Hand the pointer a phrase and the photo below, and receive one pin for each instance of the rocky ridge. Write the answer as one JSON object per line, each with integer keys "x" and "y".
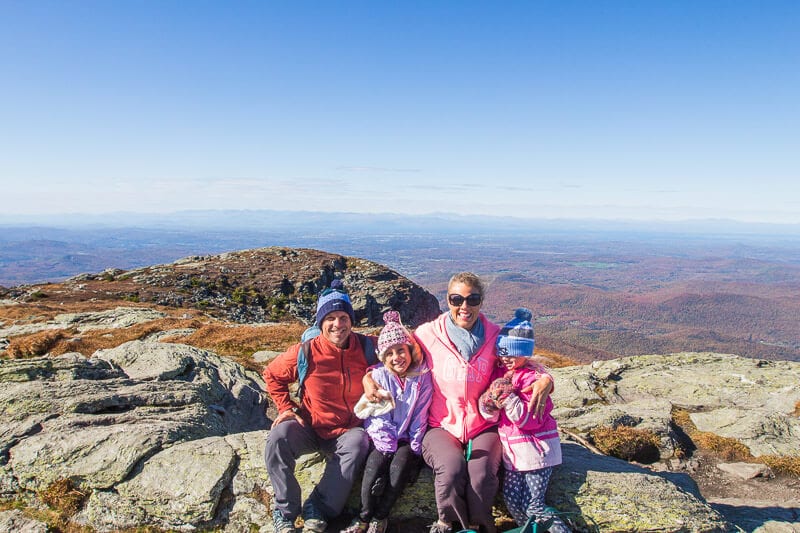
{"x": 259, "y": 285}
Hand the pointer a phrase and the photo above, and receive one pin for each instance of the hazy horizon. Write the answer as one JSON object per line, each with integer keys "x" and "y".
{"x": 248, "y": 220}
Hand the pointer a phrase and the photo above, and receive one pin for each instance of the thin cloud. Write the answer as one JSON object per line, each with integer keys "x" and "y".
{"x": 376, "y": 169}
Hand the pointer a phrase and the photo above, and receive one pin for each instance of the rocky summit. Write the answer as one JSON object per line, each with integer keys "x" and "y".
{"x": 120, "y": 411}
{"x": 258, "y": 285}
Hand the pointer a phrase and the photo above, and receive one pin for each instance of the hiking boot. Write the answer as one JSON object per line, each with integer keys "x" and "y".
{"x": 281, "y": 524}
{"x": 356, "y": 526}
{"x": 313, "y": 519}
{"x": 440, "y": 527}
{"x": 378, "y": 526}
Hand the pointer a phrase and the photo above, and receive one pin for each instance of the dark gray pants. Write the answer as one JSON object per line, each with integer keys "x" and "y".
{"x": 465, "y": 490}
{"x": 344, "y": 458}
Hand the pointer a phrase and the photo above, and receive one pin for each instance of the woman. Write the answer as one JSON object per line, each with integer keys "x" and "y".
{"x": 460, "y": 446}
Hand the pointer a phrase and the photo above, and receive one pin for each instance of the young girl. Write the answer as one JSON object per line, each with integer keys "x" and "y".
{"x": 531, "y": 447}
{"x": 396, "y": 425}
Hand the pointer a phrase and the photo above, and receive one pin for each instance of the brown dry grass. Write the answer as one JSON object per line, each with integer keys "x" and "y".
{"x": 627, "y": 443}
{"x": 57, "y": 342}
{"x": 63, "y": 496}
{"x": 789, "y": 465}
{"x": 797, "y": 408}
{"x": 35, "y": 344}
{"x": 724, "y": 447}
{"x": 60, "y": 301}
{"x": 555, "y": 360}
{"x": 65, "y": 500}
{"x": 240, "y": 342}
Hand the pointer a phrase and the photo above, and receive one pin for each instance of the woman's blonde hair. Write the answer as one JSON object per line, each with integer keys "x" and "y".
{"x": 467, "y": 278}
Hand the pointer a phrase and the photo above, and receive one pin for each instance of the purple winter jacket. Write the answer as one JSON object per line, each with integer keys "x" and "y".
{"x": 409, "y": 418}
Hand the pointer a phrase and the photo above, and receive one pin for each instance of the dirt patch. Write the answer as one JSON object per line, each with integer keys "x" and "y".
{"x": 746, "y": 503}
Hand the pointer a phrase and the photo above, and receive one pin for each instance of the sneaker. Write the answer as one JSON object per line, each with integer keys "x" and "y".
{"x": 356, "y": 526}
{"x": 281, "y": 524}
{"x": 378, "y": 526}
{"x": 440, "y": 527}
{"x": 313, "y": 519}
{"x": 314, "y": 525}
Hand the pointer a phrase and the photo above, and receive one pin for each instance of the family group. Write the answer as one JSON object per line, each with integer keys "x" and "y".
{"x": 460, "y": 393}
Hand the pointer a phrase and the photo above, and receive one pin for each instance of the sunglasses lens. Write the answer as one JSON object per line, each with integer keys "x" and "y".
{"x": 472, "y": 300}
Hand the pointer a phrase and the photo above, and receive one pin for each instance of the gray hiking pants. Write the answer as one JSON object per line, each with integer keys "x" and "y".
{"x": 344, "y": 458}
{"x": 465, "y": 490}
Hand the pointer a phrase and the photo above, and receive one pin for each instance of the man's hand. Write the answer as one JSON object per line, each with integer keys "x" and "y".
{"x": 371, "y": 388}
{"x": 540, "y": 390}
{"x": 287, "y": 415}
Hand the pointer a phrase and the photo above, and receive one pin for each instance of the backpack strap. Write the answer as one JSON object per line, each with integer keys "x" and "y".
{"x": 302, "y": 366}
{"x": 370, "y": 355}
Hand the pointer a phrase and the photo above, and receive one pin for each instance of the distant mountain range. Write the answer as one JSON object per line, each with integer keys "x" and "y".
{"x": 325, "y": 223}
{"x": 597, "y": 289}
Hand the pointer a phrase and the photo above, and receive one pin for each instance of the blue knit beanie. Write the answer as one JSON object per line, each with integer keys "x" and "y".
{"x": 334, "y": 299}
{"x": 516, "y": 337}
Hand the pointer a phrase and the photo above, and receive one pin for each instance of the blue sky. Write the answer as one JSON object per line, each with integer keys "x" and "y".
{"x": 598, "y": 109}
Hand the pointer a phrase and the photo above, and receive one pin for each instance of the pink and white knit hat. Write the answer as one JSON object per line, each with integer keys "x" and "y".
{"x": 392, "y": 333}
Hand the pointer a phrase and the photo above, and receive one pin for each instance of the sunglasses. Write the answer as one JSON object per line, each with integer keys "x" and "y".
{"x": 473, "y": 300}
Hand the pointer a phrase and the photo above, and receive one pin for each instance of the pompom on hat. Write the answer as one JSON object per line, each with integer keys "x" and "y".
{"x": 334, "y": 299}
{"x": 392, "y": 333}
{"x": 516, "y": 337}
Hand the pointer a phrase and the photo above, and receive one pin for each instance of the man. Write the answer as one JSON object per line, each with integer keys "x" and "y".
{"x": 324, "y": 421}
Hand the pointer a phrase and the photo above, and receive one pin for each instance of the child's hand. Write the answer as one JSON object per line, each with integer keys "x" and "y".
{"x": 500, "y": 389}
{"x": 487, "y": 403}
{"x": 501, "y": 400}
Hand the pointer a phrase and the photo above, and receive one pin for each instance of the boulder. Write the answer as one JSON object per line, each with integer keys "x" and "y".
{"x": 751, "y": 400}
{"x": 619, "y": 496}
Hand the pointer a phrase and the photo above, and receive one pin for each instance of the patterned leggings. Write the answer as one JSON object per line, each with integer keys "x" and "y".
{"x": 524, "y": 495}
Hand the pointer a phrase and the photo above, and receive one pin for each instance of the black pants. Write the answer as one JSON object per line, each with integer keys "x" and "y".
{"x": 385, "y": 477}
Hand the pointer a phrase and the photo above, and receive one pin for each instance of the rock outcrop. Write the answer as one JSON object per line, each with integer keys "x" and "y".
{"x": 110, "y": 424}
{"x": 265, "y": 284}
{"x": 751, "y": 400}
{"x": 172, "y": 436}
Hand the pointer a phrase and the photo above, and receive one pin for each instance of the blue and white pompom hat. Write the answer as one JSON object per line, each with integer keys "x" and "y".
{"x": 334, "y": 299}
{"x": 516, "y": 337}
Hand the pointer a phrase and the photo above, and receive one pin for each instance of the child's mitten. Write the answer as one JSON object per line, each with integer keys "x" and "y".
{"x": 486, "y": 402}
{"x": 499, "y": 391}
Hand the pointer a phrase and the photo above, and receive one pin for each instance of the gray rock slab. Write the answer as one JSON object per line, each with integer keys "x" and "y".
{"x": 119, "y": 317}
{"x": 746, "y": 470}
{"x": 747, "y": 399}
{"x": 182, "y": 484}
{"x": 98, "y": 456}
{"x": 107, "y": 511}
{"x": 235, "y": 393}
{"x": 619, "y": 496}
{"x": 264, "y": 356}
{"x": 17, "y": 522}
{"x": 764, "y": 432}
